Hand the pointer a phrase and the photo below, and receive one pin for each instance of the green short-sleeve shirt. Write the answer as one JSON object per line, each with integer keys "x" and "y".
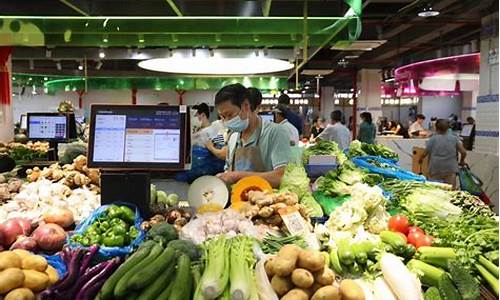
{"x": 274, "y": 145}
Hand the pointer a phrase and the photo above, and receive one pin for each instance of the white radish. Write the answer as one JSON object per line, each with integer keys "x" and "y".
{"x": 367, "y": 289}
{"x": 263, "y": 285}
{"x": 382, "y": 291}
{"x": 399, "y": 278}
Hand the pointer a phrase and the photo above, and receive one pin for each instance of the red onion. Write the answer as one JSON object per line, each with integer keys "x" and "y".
{"x": 25, "y": 224}
{"x": 50, "y": 237}
{"x": 24, "y": 242}
{"x": 11, "y": 229}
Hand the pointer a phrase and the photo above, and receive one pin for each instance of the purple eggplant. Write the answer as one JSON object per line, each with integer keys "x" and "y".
{"x": 91, "y": 273}
{"x": 92, "y": 287}
{"x": 87, "y": 258}
{"x": 73, "y": 271}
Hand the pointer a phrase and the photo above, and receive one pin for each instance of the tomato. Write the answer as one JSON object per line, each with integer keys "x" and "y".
{"x": 426, "y": 240}
{"x": 415, "y": 237}
{"x": 398, "y": 223}
{"x": 415, "y": 228}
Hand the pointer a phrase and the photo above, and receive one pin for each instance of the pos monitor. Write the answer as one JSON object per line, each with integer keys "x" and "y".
{"x": 138, "y": 137}
{"x": 48, "y": 126}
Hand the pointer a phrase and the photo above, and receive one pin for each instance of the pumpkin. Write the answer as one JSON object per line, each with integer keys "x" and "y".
{"x": 243, "y": 186}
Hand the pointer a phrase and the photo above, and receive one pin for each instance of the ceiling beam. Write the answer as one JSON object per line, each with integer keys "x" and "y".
{"x": 74, "y": 7}
{"x": 266, "y": 7}
{"x": 174, "y": 7}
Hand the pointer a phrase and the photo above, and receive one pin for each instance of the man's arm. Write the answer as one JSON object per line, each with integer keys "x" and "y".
{"x": 462, "y": 151}
{"x": 273, "y": 177}
{"x": 219, "y": 153}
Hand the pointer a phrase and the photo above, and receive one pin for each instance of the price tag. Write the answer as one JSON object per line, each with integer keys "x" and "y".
{"x": 183, "y": 109}
{"x": 293, "y": 220}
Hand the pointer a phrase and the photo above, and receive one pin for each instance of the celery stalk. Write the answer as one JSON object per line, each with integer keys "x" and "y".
{"x": 491, "y": 267}
{"x": 488, "y": 277}
{"x": 216, "y": 275}
{"x": 242, "y": 268}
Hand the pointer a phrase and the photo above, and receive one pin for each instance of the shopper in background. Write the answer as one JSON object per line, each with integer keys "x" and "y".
{"x": 367, "y": 130}
{"x": 207, "y": 131}
{"x": 336, "y": 131}
{"x": 417, "y": 129}
{"x": 442, "y": 149}
{"x": 472, "y": 136}
{"x": 317, "y": 127}
{"x": 395, "y": 127}
{"x": 254, "y": 147}
{"x": 291, "y": 116}
{"x": 279, "y": 117}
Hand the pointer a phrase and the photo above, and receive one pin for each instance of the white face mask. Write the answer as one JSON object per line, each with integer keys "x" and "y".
{"x": 237, "y": 124}
{"x": 195, "y": 122}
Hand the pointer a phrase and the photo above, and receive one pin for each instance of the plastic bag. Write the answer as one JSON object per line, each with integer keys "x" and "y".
{"x": 388, "y": 170}
{"x": 329, "y": 204}
{"x": 104, "y": 252}
{"x": 203, "y": 163}
{"x": 469, "y": 181}
{"x": 57, "y": 263}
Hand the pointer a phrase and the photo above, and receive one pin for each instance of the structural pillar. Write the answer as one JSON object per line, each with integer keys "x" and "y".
{"x": 368, "y": 86}
{"x": 6, "y": 114}
{"x": 469, "y": 102}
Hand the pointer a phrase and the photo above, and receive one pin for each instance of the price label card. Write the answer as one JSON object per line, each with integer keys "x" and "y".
{"x": 293, "y": 220}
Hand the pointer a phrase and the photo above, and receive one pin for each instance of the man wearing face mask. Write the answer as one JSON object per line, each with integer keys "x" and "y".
{"x": 254, "y": 147}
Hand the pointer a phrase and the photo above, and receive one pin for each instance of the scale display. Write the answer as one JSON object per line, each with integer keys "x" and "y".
{"x": 137, "y": 136}
{"x": 47, "y": 126}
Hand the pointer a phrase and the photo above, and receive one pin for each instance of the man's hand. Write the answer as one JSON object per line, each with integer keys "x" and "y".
{"x": 230, "y": 177}
{"x": 209, "y": 145}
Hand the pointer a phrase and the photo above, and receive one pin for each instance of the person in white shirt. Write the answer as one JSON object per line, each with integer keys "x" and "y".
{"x": 336, "y": 131}
{"x": 279, "y": 117}
{"x": 417, "y": 129}
{"x": 207, "y": 131}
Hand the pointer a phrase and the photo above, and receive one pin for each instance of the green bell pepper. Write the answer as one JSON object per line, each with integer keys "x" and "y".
{"x": 119, "y": 230}
{"x": 114, "y": 211}
{"x": 113, "y": 241}
{"x": 127, "y": 214}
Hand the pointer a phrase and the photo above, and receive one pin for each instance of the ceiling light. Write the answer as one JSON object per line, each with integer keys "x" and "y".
{"x": 141, "y": 38}
{"x": 45, "y": 78}
{"x": 105, "y": 39}
{"x": 216, "y": 66}
{"x": 102, "y": 54}
{"x": 80, "y": 67}
{"x": 58, "y": 66}
{"x": 351, "y": 56}
{"x": 98, "y": 65}
{"x": 29, "y": 79}
{"x": 13, "y": 78}
{"x": 87, "y": 24}
{"x": 427, "y": 12}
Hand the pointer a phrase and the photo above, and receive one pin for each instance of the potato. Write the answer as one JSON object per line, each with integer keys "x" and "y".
{"x": 269, "y": 266}
{"x": 10, "y": 279}
{"x": 35, "y": 281}
{"x": 325, "y": 276}
{"x": 296, "y": 294}
{"x": 328, "y": 292}
{"x": 20, "y": 294}
{"x": 281, "y": 285}
{"x": 302, "y": 278}
{"x": 9, "y": 259}
{"x": 283, "y": 267}
{"x": 53, "y": 275}
{"x": 350, "y": 290}
{"x": 34, "y": 262}
{"x": 290, "y": 252}
{"x": 311, "y": 260}
{"x": 22, "y": 253}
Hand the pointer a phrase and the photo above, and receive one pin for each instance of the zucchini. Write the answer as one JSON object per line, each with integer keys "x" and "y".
{"x": 437, "y": 256}
{"x": 466, "y": 284}
{"x": 121, "y": 289}
{"x": 183, "y": 281}
{"x": 395, "y": 239}
{"x": 446, "y": 288}
{"x": 429, "y": 275}
{"x": 432, "y": 293}
{"x": 109, "y": 285}
{"x": 160, "y": 282}
{"x": 147, "y": 275}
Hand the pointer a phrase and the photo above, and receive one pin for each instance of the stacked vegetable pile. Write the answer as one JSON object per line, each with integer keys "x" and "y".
{"x": 115, "y": 227}
{"x": 25, "y": 152}
{"x": 24, "y": 274}
{"x": 357, "y": 148}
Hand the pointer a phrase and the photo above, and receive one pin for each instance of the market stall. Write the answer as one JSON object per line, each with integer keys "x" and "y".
{"x": 367, "y": 229}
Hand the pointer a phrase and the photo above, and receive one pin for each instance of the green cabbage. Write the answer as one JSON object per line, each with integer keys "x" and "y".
{"x": 431, "y": 203}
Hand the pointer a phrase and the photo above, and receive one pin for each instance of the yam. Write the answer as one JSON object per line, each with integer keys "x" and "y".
{"x": 311, "y": 260}
{"x": 9, "y": 259}
{"x": 325, "y": 276}
{"x": 281, "y": 285}
{"x": 328, "y": 292}
{"x": 302, "y": 278}
{"x": 34, "y": 262}
{"x": 10, "y": 279}
{"x": 35, "y": 281}
{"x": 53, "y": 275}
{"x": 350, "y": 290}
{"x": 283, "y": 267}
{"x": 20, "y": 294}
{"x": 296, "y": 294}
{"x": 269, "y": 266}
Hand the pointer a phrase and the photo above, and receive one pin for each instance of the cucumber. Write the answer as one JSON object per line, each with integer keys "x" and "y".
{"x": 154, "y": 290}
{"x": 183, "y": 281}
{"x": 147, "y": 275}
{"x": 335, "y": 262}
{"x": 166, "y": 292}
{"x": 121, "y": 289}
{"x": 395, "y": 240}
{"x": 108, "y": 287}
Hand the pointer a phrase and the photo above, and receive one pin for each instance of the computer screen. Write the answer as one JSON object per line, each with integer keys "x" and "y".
{"x": 267, "y": 115}
{"x": 23, "y": 123}
{"x": 137, "y": 136}
{"x": 47, "y": 126}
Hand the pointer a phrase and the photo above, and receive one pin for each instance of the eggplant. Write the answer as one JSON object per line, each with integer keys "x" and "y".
{"x": 92, "y": 287}
{"x": 88, "y": 275}
{"x": 73, "y": 271}
{"x": 87, "y": 258}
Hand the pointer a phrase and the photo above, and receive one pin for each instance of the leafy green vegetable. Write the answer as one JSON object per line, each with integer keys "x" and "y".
{"x": 379, "y": 150}
{"x": 215, "y": 278}
{"x": 431, "y": 203}
{"x": 324, "y": 148}
{"x": 355, "y": 149}
{"x": 242, "y": 276}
